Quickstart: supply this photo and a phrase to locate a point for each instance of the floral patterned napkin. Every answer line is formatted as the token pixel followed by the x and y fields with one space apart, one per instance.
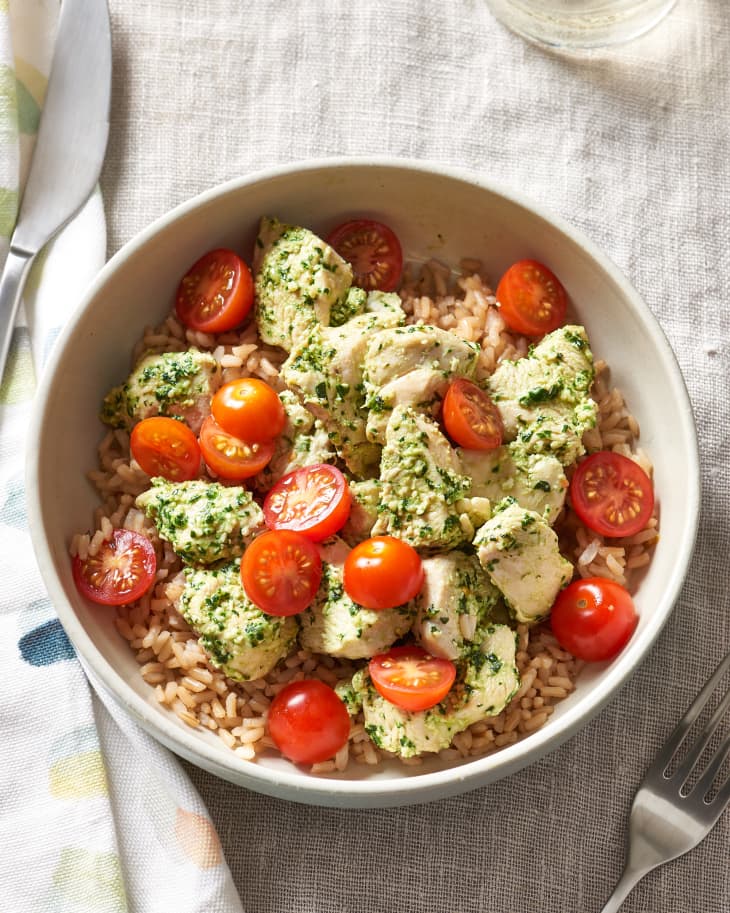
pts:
pixel 94 815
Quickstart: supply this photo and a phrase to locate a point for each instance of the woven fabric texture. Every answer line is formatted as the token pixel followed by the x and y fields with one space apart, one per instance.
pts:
pixel 629 145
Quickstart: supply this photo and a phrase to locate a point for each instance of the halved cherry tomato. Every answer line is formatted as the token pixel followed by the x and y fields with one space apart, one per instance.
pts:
pixel 382 572
pixel 472 420
pixel 281 571
pixel 216 293
pixel 165 447
pixel 372 250
pixel 410 678
pixel 308 722
pixel 120 572
pixel 612 494
pixel 531 299
pixel 593 618
pixel 229 456
pixel 314 501
pixel 249 409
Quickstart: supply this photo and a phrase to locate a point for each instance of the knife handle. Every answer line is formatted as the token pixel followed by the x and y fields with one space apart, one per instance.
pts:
pixel 12 282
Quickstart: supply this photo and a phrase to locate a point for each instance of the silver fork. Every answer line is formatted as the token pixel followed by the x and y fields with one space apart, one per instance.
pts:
pixel 664 823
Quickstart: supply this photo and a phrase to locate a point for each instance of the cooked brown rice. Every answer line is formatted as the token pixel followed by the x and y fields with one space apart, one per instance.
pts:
pixel 170 657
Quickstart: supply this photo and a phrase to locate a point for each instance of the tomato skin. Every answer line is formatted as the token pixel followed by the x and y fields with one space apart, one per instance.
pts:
pixel 531 299
pixel 166 447
pixel 411 678
pixel 121 571
pixel 216 294
pixel 373 251
pixel 382 572
pixel 249 409
pixel 308 722
pixel 228 456
pixel 472 420
pixel 611 494
pixel 281 571
pixel 594 618
pixel 314 501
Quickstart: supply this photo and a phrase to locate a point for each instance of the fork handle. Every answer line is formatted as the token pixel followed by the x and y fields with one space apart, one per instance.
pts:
pixel 11 287
pixel 629 879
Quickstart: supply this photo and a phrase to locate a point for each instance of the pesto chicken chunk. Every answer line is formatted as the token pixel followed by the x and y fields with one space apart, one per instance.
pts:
pixel 175 384
pixel 299 280
pixel 241 640
pixel 324 369
pixel 351 305
pixel 544 398
pixel 421 484
pixel 454 604
pixel 363 511
pixel 204 522
pixel 486 681
pixel 303 442
pixel 520 553
pixel 413 366
pixel 535 480
pixel 336 625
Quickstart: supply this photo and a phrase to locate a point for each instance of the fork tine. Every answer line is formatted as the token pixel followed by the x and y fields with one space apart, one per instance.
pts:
pixel 722 798
pixel 693 755
pixel 680 733
pixel 702 787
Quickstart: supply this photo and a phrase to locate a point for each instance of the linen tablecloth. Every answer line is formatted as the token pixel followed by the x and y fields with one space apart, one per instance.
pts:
pixel 628 144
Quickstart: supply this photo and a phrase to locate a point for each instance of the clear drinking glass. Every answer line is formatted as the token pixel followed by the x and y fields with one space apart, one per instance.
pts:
pixel 580 23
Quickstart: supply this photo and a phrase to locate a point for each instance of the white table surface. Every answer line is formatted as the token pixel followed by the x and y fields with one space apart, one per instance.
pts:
pixel 630 145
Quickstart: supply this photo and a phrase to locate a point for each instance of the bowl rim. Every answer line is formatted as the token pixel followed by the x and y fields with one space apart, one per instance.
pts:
pixel 298 785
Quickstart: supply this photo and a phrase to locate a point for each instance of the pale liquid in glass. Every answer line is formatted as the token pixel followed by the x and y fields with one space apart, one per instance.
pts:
pixel 580 23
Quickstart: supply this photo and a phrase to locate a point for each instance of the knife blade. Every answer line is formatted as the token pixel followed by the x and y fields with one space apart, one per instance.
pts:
pixel 69 149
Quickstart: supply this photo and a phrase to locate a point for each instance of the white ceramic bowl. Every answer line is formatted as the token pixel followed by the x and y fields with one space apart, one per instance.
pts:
pixel 436 211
